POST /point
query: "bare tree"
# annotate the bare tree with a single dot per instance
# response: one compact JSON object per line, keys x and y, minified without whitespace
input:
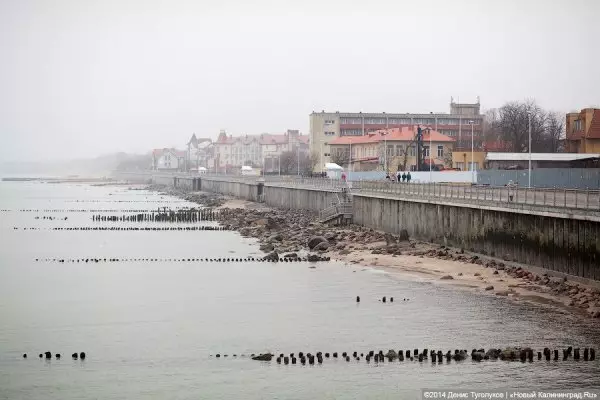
{"x":340,"y":157}
{"x":510,"y":124}
{"x":406,"y":151}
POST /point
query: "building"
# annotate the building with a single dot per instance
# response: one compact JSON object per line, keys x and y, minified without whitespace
{"x":583,"y":131}
{"x":199,"y":152}
{"x":462,"y":120}
{"x":168,"y":160}
{"x":391,"y":150}
{"x":461,"y":159}
{"x":541,"y":160}
{"x":233,"y":152}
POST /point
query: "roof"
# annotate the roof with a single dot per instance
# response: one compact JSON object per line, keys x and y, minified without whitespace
{"x":160,"y":152}
{"x":265,"y":138}
{"x":405,"y":134}
{"x":539,"y":156}
{"x":333,"y":166}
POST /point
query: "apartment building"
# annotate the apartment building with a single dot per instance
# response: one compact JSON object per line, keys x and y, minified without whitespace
{"x":583,"y":131}
{"x":391,"y":150}
{"x":232,"y":152}
{"x":463,"y":120}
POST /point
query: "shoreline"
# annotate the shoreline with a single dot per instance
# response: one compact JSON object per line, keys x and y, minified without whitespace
{"x":290,"y":231}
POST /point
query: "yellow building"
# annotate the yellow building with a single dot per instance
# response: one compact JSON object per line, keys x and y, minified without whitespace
{"x":583,"y":131}
{"x":391,"y":150}
{"x":462,"y":160}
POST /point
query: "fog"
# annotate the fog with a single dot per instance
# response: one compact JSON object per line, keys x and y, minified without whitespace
{"x":84,"y":78}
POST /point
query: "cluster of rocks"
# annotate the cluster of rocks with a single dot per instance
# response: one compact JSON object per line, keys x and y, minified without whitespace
{"x":522,"y":354}
{"x":587,"y":299}
{"x":202,"y":198}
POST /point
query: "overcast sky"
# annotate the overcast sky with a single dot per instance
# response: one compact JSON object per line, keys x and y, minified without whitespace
{"x":80,"y":78}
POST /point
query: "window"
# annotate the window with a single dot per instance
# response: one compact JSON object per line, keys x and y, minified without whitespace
{"x":460,"y":165}
{"x":329,"y":133}
{"x":473,"y":165}
{"x":326,"y":154}
{"x":412,"y":151}
{"x":399,"y":150}
{"x":390,"y":150}
{"x":577,"y":125}
{"x":426,"y":151}
{"x":440,"y":151}
{"x":329,"y":122}
{"x":351,"y":132}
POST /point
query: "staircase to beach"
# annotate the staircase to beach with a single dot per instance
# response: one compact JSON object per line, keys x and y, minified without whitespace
{"x":341,"y":209}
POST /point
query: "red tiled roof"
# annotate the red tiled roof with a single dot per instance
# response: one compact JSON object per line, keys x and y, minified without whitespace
{"x":405,"y":134}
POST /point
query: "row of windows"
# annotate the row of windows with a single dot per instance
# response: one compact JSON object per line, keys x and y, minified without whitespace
{"x":408,"y":121}
{"x":329,"y":122}
{"x":351,"y":132}
{"x":329,"y":133}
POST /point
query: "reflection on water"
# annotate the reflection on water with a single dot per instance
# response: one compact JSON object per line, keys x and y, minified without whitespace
{"x":149,"y":329}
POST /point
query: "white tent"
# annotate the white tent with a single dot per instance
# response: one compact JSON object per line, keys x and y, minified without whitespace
{"x":333,"y":170}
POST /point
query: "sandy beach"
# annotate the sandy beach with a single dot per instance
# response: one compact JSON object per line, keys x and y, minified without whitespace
{"x":285,"y":231}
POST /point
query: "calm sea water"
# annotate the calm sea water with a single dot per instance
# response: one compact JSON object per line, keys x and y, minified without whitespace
{"x":149,"y":329}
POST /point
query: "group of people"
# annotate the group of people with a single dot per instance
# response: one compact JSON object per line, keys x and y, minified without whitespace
{"x":399,"y":176}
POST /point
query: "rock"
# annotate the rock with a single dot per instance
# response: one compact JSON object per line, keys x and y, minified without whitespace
{"x":315,"y":240}
{"x":403,"y":235}
{"x":391,"y":355}
{"x":323,"y":246}
{"x":496,"y":272}
{"x":313,"y":258}
{"x":447,"y":277}
{"x":460,"y":274}
{"x":329,"y":236}
{"x":489,"y":287}
{"x":502,"y":293}
{"x":272,"y":257}
{"x":267,"y":247}
{"x":510,"y":354}
{"x":476,"y":274}
{"x":276,"y":238}
{"x":263,"y":357}
{"x":345,"y":252}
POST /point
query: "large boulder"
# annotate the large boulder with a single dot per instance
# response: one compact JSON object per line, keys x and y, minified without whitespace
{"x":263,"y":357}
{"x":391,"y":355}
{"x":267,"y":247}
{"x":271,"y":257}
{"x":315,"y":240}
{"x":323,"y":246}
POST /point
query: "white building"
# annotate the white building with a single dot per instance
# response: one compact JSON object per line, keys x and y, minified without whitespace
{"x":199,"y":152}
{"x":168,"y":160}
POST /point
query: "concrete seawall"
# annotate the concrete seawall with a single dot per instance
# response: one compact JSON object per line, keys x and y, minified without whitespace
{"x":562,"y":244}
{"x":552,"y":240}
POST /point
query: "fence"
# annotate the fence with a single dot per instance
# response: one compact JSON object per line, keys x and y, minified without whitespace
{"x":570,"y":178}
{"x":512,"y":197}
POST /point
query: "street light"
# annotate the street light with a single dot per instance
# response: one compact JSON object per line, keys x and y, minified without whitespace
{"x":529,"y":173}
{"x":472,"y":123}
{"x":430,"y":154}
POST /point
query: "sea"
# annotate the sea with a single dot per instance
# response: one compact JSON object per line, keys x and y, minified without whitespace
{"x":153,"y":329}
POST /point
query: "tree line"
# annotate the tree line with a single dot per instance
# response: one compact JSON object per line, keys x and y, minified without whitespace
{"x":507,"y":128}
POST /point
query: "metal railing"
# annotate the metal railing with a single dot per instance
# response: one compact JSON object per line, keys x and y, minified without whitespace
{"x":506,"y":196}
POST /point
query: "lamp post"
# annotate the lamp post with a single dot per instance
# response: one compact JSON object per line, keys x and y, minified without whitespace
{"x":529,"y":172}
{"x":472,"y":123}
{"x":430,"y":155}
{"x":279,"y":163}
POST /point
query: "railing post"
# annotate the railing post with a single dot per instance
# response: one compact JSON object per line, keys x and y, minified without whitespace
{"x":544,"y":196}
{"x":554,"y":202}
{"x":565,"y":198}
{"x":587,"y":197}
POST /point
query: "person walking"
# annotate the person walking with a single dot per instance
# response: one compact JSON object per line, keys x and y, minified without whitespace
{"x":408,"y":177}
{"x":403,"y":177}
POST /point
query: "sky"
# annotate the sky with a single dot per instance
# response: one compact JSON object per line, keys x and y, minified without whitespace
{"x":81,"y":78}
